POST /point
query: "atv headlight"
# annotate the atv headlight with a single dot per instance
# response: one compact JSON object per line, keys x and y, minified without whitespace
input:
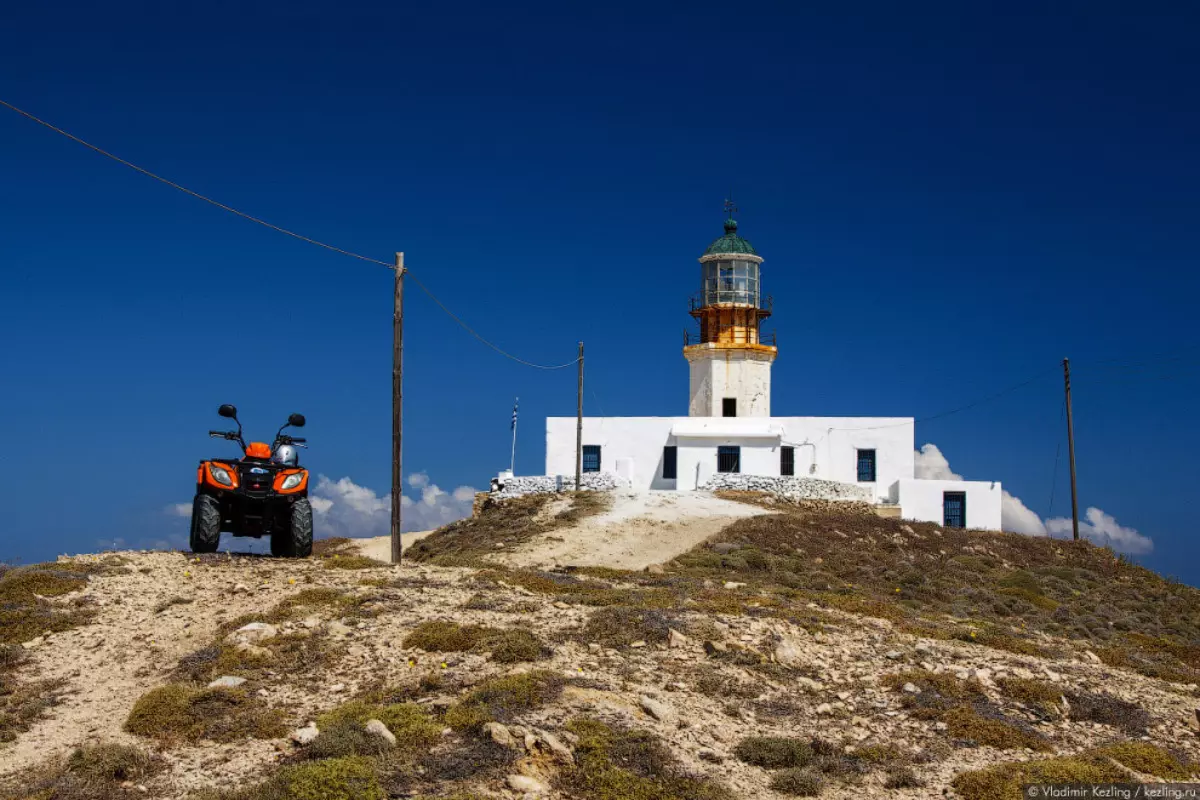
{"x":220,"y":475}
{"x":291,"y":481}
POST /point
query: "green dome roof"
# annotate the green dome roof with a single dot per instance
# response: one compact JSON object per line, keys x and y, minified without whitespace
{"x":730,"y":242}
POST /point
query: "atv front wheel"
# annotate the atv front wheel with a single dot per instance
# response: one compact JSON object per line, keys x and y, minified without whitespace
{"x":206,"y":524}
{"x":296,"y":540}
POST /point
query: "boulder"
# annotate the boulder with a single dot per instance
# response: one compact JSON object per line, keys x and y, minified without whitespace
{"x":524,"y":783}
{"x":253,"y":633}
{"x":377,"y":728}
{"x":676,"y":639}
{"x":499,"y":734}
{"x":789,"y":652}
{"x":226,"y":682}
{"x":660,"y":711}
{"x":305,"y":735}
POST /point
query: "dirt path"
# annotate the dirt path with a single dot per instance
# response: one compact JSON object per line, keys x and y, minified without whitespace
{"x":640,"y":529}
{"x":132,"y":645}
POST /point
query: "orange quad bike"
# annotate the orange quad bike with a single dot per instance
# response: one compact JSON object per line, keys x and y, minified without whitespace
{"x":263,"y":493}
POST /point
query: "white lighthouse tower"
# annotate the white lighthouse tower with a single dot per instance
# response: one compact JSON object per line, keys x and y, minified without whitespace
{"x":729,"y":360}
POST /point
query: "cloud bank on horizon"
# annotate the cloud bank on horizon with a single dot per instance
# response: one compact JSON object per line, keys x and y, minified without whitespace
{"x":1097,"y":526}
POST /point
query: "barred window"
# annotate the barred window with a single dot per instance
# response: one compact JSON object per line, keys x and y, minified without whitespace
{"x":866,"y":466}
{"x":591,"y":458}
{"x":729,"y":459}
{"x":954,"y":509}
{"x":787,"y":461}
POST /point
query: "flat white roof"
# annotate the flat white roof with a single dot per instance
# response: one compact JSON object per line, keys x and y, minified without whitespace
{"x":726,"y":428}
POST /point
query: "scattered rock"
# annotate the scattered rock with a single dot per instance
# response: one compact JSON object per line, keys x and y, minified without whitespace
{"x":336,"y":628}
{"x":555,"y":746}
{"x":725,"y":548}
{"x":305,"y":735}
{"x":711,"y":756}
{"x":712,"y":647}
{"x":892,"y":655}
{"x":377,"y":728}
{"x":912,"y":688}
{"x":1092,"y":657}
{"x":656,"y":569}
{"x":500,"y":734}
{"x":734,"y":585}
{"x":676,"y":639}
{"x":660,"y":711}
{"x":227,"y":681}
{"x":788,"y":651}
{"x":252,"y":633}
{"x":524,"y":783}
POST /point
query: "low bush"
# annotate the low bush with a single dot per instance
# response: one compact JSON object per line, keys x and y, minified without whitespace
{"x":502,"y":699}
{"x":182,"y":713}
{"x":507,"y":645}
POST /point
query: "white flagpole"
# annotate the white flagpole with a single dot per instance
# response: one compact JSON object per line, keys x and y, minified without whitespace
{"x":512,"y":464}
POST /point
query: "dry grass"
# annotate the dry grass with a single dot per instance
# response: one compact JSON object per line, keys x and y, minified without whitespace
{"x":507,"y":645}
{"x":24,"y":614}
{"x":620,"y":626}
{"x":21,"y":704}
{"x":352,"y":778}
{"x":93,"y":772}
{"x":178,"y":713}
{"x":613,"y":763}
{"x":503,"y":699}
{"x":1004,"y":781}
{"x":989,"y":589}
{"x":966,"y":710}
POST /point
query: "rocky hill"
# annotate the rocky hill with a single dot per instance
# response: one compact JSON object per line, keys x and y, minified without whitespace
{"x":808,"y":651}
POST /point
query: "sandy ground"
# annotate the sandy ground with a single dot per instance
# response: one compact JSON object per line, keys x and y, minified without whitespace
{"x":640,"y":529}
{"x":380,"y":547}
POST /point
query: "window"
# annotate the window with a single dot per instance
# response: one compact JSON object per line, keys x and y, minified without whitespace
{"x":591,"y":458}
{"x":787,"y":461}
{"x":954,"y":509}
{"x":866,"y":466}
{"x":670,"y":458}
{"x":729,"y":459}
{"x":729,"y":407}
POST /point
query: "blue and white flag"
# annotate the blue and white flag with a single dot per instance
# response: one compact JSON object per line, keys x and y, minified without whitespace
{"x":514,"y":421}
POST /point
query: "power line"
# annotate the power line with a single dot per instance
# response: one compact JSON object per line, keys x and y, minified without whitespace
{"x":284,"y":231}
{"x":966,"y":407}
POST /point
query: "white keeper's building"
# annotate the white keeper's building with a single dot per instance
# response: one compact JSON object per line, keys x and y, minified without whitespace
{"x":729,"y":428}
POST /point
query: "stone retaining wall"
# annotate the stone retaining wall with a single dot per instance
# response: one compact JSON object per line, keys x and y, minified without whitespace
{"x":548,"y":484}
{"x":790,"y":488}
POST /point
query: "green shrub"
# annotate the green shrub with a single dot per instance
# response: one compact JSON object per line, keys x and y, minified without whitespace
{"x":802,"y":782}
{"x":774,"y":752}
{"x":501,"y":699}
{"x":180,"y":713}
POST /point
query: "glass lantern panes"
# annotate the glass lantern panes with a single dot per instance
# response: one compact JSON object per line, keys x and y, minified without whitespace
{"x":730,"y":282}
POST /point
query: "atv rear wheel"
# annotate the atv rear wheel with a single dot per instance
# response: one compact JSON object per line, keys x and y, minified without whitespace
{"x":296,"y":540}
{"x":206,"y":524}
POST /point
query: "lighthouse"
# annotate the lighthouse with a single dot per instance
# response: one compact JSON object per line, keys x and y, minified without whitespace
{"x":729,"y":357}
{"x":730,"y":438}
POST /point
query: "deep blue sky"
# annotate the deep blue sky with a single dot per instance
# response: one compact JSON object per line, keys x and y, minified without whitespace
{"x":949,"y":197}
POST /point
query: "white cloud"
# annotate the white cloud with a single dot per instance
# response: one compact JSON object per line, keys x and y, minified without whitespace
{"x":179,"y":510}
{"x":344,"y":508}
{"x":1102,"y":529}
{"x":1015,"y":516}
{"x":931,"y":465}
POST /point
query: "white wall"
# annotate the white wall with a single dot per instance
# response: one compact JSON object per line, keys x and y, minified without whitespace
{"x":715,"y":373}
{"x":831,"y":443}
{"x":922,"y":500}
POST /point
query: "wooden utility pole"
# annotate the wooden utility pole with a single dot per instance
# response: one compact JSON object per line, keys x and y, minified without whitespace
{"x":579,"y":428}
{"x":397,"y":403}
{"x":1071,"y":449}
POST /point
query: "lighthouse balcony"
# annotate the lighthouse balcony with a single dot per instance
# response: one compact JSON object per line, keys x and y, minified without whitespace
{"x":729,"y":335}
{"x":732,"y":299}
